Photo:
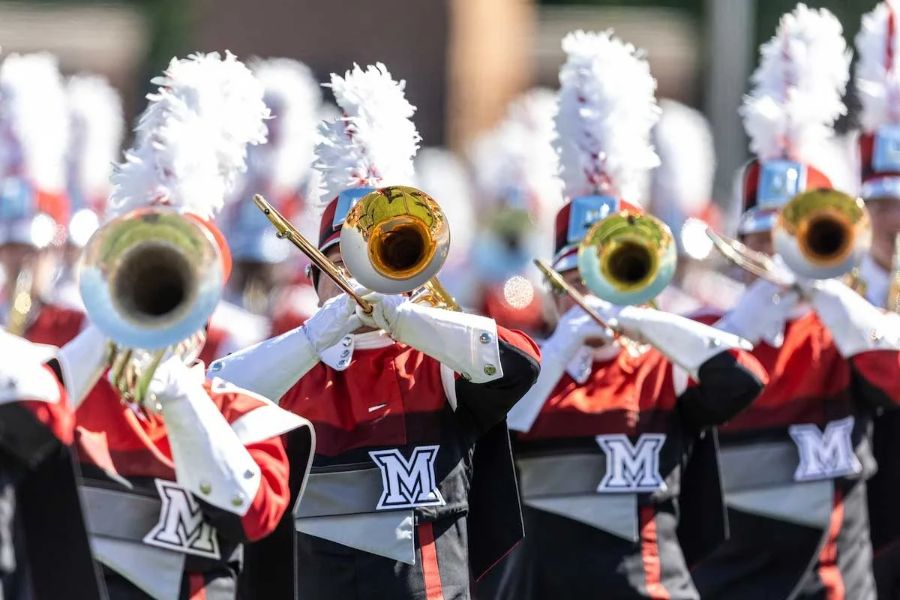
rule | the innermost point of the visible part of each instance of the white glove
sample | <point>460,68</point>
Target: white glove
<point>465,343</point>
<point>210,460</point>
<point>271,367</point>
<point>855,324</point>
<point>574,328</point>
<point>82,362</point>
<point>385,311</point>
<point>761,313</point>
<point>335,319</point>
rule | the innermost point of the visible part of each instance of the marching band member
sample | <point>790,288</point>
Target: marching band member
<point>795,462</point>
<point>411,490</point>
<point>175,483</point>
<point>878,84</point>
<point>34,207</point>
<point>517,180</point>
<point>604,434</point>
<point>44,549</point>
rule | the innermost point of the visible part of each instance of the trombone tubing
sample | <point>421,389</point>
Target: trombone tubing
<point>289,232</point>
<point>556,280</point>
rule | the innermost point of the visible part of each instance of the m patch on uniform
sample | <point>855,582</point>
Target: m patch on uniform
<point>632,467</point>
<point>825,455</point>
<point>181,526</point>
<point>407,483</point>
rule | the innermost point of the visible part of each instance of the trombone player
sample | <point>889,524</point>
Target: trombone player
<point>412,487</point>
<point>179,471</point>
<point>879,271</point>
<point>604,434</point>
<point>799,525</point>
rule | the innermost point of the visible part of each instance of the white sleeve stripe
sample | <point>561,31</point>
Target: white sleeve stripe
<point>680,379</point>
<point>264,422</point>
<point>448,379</point>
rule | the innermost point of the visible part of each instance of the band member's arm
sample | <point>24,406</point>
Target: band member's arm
<point>270,368</point>
<point>868,337</point>
<point>573,330</point>
<point>715,378</point>
<point>82,362</point>
<point>243,484</point>
<point>34,416</point>
<point>495,366</point>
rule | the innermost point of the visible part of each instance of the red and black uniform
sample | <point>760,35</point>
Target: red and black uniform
<point>591,527</point>
<point>44,547</point>
<point>794,468</point>
<point>394,404</point>
<point>130,490</point>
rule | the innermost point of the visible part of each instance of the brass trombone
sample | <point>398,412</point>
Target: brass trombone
<point>819,234</point>
<point>626,258</point>
<point>394,240</point>
<point>149,280</point>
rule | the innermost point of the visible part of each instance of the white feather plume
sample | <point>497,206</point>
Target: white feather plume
<point>97,126</point>
<point>683,183</point>
<point>798,86</point>
<point>607,108</point>
<point>517,157</point>
<point>192,138</point>
<point>877,78</point>
<point>294,97</point>
<point>34,120</point>
<point>374,141</point>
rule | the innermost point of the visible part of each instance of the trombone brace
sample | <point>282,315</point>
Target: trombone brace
<point>855,324</point>
<point>684,342</point>
<point>210,460</point>
<point>82,362</point>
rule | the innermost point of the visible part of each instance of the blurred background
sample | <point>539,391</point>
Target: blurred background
<point>464,60</point>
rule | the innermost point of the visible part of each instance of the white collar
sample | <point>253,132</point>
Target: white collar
<point>338,357</point>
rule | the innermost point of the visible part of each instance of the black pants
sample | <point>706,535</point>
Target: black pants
<point>330,571</point>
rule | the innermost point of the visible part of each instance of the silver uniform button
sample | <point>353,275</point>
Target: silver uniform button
<point>248,474</point>
<point>205,487</point>
<point>714,342</point>
<point>345,354</point>
<point>342,362</point>
<point>347,341</point>
<point>485,338</point>
<point>216,367</point>
<point>489,369</point>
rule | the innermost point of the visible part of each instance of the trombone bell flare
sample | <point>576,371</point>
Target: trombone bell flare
<point>822,234</point>
<point>151,278</point>
<point>395,239</point>
<point>627,258</point>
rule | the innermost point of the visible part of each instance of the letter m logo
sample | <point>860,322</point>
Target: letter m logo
<point>181,526</point>
<point>825,455</point>
<point>407,483</point>
<point>632,467</point>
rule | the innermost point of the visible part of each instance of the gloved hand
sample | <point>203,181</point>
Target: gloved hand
<point>855,324</point>
<point>173,381</point>
<point>761,313</point>
<point>386,310</point>
<point>575,328</point>
<point>335,319</point>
